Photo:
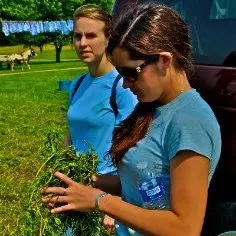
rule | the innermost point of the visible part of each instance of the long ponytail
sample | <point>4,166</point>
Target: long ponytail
<point>132,130</point>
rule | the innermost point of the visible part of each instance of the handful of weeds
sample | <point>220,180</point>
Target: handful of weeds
<point>37,217</point>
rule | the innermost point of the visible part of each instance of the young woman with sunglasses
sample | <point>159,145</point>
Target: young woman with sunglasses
<point>169,147</point>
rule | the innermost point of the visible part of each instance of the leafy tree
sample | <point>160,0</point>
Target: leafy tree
<point>68,9</point>
<point>18,10</point>
<point>49,9</point>
<point>45,9</point>
<point>37,40</point>
<point>104,4</point>
<point>59,40</point>
<point>40,40</point>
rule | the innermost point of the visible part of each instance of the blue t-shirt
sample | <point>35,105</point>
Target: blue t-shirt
<point>186,123</point>
<point>91,118</point>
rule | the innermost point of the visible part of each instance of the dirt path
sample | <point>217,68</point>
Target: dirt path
<point>42,71</point>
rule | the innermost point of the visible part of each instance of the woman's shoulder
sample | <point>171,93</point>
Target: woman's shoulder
<point>197,118</point>
<point>75,83</point>
<point>75,80</point>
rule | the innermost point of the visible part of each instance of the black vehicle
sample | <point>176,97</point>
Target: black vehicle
<point>213,34</point>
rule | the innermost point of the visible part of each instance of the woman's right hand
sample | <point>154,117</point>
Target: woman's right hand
<point>75,197</point>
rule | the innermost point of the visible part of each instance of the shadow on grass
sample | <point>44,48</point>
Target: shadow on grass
<point>4,67</point>
<point>53,62</point>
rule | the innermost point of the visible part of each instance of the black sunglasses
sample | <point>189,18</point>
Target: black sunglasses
<point>131,74</point>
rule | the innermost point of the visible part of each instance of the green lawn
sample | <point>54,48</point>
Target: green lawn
<point>30,105</point>
<point>48,51</point>
<point>43,61</point>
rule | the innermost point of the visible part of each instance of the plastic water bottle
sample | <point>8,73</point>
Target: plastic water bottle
<point>154,193</point>
<point>154,189</point>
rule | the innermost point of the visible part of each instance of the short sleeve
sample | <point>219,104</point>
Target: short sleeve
<point>191,133</point>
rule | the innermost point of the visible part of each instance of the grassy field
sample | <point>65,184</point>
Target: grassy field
<point>30,105</point>
<point>44,61</point>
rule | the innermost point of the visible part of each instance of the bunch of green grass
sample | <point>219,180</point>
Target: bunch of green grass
<point>37,217</point>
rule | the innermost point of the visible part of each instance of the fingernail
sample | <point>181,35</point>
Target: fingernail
<point>93,178</point>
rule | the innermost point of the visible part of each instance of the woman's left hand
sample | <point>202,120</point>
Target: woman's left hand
<point>109,223</point>
<point>76,197</point>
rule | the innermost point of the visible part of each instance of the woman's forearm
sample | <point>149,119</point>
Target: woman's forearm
<point>148,222</point>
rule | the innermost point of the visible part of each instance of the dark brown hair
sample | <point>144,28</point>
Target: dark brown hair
<point>146,30</point>
<point>94,12</point>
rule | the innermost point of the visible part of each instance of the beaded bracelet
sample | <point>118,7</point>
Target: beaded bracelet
<point>97,199</point>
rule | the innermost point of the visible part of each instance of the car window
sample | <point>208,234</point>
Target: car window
<point>223,9</point>
<point>212,24</point>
